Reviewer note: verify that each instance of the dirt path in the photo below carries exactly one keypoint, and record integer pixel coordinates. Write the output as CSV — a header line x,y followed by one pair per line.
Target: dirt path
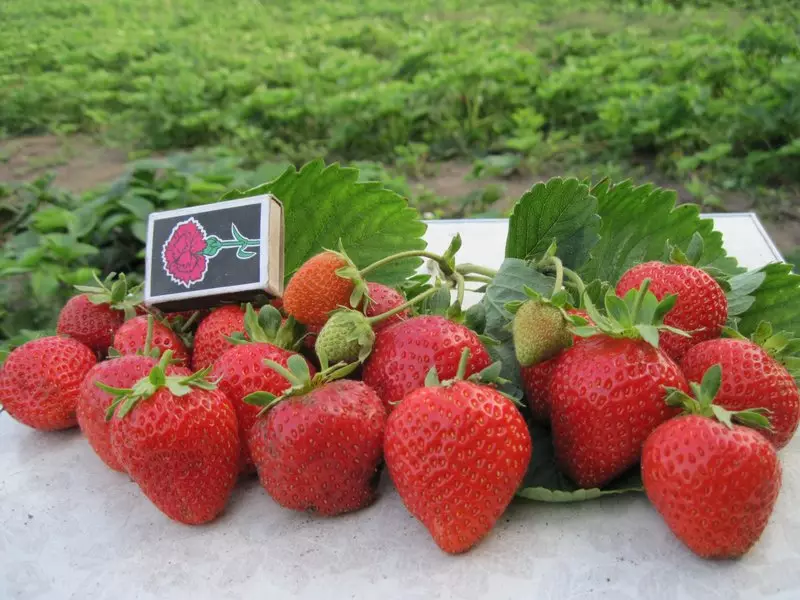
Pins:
x,y
80,164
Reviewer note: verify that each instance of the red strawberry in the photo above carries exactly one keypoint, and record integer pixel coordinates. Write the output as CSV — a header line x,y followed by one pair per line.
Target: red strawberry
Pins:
x,y
714,483
383,299
405,352
607,392
536,380
749,376
322,284
93,317
320,445
209,341
701,309
40,381
131,338
456,454
242,370
177,437
93,402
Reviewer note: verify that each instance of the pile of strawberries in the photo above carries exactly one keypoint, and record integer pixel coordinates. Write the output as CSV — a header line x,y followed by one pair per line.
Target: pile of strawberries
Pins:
x,y
320,389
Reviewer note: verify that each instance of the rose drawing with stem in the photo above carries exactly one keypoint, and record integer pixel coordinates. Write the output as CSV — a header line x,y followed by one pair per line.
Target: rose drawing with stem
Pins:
x,y
188,249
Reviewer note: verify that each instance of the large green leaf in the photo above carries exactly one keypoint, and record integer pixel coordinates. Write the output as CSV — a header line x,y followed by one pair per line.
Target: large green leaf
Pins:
x,y
506,287
776,300
637,223
561,210
544,481
323,205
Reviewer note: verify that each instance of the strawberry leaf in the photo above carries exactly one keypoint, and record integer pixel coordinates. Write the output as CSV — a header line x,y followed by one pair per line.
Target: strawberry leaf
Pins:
x,y
323,205
562,210
637,223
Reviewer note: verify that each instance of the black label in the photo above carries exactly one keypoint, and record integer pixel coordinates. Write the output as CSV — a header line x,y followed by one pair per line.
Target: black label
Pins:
x,y
208,251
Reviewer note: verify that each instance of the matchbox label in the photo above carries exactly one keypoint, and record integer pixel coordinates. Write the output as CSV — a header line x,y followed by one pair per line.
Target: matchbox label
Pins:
x,y
212,251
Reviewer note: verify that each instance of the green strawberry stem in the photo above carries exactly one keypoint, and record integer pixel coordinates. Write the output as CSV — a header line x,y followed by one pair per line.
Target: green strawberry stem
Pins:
x,y
470,269
409,303
702,402
478,279
148,338
461,372
440,260
126,399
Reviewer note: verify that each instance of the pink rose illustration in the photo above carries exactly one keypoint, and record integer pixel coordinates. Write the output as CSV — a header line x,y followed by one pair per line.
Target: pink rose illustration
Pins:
x,y
188,249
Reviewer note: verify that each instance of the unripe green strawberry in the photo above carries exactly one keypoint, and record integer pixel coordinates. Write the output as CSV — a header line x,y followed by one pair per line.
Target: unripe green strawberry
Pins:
x,y
346,337
540,332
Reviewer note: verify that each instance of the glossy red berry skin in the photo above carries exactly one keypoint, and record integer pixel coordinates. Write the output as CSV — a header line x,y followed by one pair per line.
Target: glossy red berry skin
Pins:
x,y
751,378
209,340
130,339
383,299
404,353
714,486
607,396
457,455
183,452
93,402
242,371
40,382
536,380
321,451
94,325
701,309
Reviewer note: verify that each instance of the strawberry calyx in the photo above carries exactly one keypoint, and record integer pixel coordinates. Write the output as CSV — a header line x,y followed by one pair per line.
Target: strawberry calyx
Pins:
x,y
702,402
782,346
488,376
114,291
300,380
639,315
360,293
268,326
126,399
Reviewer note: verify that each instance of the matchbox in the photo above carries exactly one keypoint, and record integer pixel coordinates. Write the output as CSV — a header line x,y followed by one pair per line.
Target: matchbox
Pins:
x,y
202,256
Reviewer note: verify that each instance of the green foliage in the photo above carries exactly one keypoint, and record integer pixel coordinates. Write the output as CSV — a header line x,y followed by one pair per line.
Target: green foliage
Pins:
x,y
54,240
560,210
326,205
691,86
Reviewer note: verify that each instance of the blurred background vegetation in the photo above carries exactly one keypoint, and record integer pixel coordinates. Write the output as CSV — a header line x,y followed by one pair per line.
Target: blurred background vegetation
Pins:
x,y
110,109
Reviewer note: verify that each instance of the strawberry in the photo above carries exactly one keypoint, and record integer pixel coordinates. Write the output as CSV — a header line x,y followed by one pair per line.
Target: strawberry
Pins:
x,y
404,353
382,299
210,341
320,444
141,334
540,328
536,379
177,437
323,283
714,483
40,381
93,402
607,392
94,316
701,309
242,370
456,453
750,375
